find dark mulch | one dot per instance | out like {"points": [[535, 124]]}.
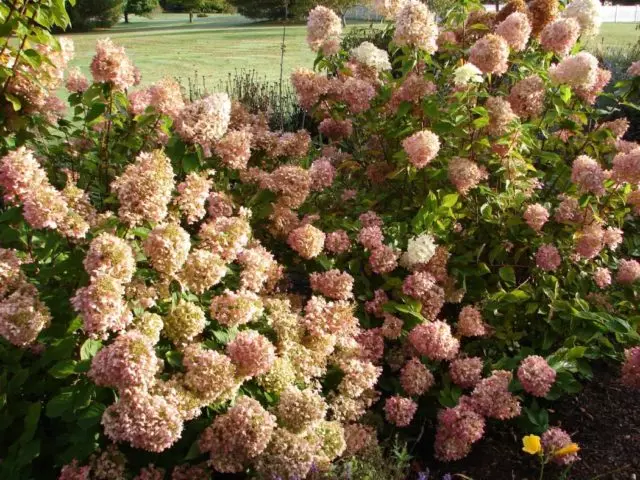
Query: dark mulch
{"points": [[604, 419]]}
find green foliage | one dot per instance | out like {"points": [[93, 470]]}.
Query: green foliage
{"points": [[209, 6], [89, 14], [265, 9], [139, 7]]}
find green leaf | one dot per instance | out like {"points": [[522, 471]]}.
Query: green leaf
{"points": [[63, 369], [194, 451], [31, 420], [59, 404], [565, 93], [174, 358], [190, 163], [91, 415], [89, 349], [450, 200], [508, 274], [95, 112], [15, 101]]}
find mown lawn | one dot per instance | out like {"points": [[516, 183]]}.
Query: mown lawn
{"points": [[167, 45]]}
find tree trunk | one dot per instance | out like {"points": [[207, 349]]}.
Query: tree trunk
{"points": [[190, 16], [497, 5], [343, 16], [126, 17]]}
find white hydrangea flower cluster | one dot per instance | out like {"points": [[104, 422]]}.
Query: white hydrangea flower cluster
{"points": [[420, 249], [371, 56], [467, 73]]}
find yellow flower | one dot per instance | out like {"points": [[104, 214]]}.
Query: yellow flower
{"points": [[531, 444], [567, 450]]}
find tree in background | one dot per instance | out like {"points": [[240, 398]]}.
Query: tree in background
{"points": [[88, 14], [341, 7], [271, 9], [191, 6], [139, 7], [214, 6]]}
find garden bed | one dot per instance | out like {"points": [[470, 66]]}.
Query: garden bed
{"points": [[598, 419]]}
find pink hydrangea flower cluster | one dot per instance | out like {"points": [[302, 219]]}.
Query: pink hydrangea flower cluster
{"points": [[590, 241], [192, 195], [466, 372], [357, 94], [471, 324], [421, 147], [236, 308], [102, 307], [516, 30], [527, 97], [415, 377], [416, 27], [626, 167], [548, 258], [307, 241], [536, 376], [324, 28], [23, 316], [399, 410], [252, 354], [536, 216], [413, 89], [465, 174], [260, 268], [144, 189], [238, 436], [491, 397], [392, 327], [628, 272], [202, 270], [337, 242], [577, 71], [210, 374], [310, 87], [458, 429], [234, 149], [76, 82], [434, 340], [225, 236], [145, 421], [333, 284], [491, 54], [602, 277], [128, 362], [560, 36], [25, 182], [322, 174], [588, 175], [205, 121], [167, 248], [631, 368], [111, 256], [553, 440], [292, 183], [112, 65], [501, 116], [335, 129], [634, 69]]}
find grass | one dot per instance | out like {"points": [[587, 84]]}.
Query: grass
{"points": [[167, 45], [618, 35]]}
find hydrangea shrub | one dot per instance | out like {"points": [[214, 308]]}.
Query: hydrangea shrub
{"points": [[195, 293]]}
